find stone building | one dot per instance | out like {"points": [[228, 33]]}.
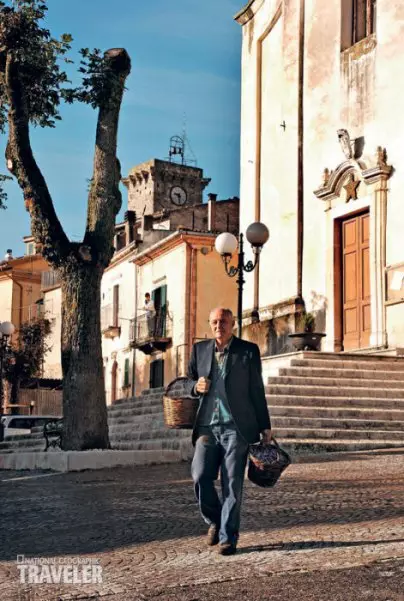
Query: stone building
{"points": [[322, 135], [164, 242]]}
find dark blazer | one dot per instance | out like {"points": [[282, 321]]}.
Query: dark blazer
{"points": [[243, 382]]}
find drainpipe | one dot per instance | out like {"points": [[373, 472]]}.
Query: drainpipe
{"points": [[190, 283], [134, 350], [300, 174]]}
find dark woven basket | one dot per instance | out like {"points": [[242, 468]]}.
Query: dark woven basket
{"points": [[266, 462], [179, 407]]}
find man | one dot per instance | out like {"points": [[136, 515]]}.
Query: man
{"points": [[226, 373], [150, 313]]}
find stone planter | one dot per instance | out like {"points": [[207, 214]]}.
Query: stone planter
{"points": [[306, 341]]}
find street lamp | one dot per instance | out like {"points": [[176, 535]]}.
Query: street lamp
{"points": [[6, 331], [226, 244]]}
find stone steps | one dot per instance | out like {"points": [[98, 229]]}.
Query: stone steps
{"points": [[137, 421], [130, 434], [310, 445], [358, 374], [352, 362], [340, 434], [318, 402], [335, 382], [338, 413], [334, 401], [319, 423], [333, 391], [138, 403], [130, 411], [338, 401], [148, 445]]}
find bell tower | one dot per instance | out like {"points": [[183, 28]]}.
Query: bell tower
{"points": [[158, 185]]}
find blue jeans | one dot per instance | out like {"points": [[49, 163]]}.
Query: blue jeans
{"points": [[220, 447]]}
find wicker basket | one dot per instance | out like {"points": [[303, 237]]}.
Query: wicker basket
{"points": [[179, 409]]}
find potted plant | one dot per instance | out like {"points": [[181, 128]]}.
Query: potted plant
{"points": [[306, 338]]}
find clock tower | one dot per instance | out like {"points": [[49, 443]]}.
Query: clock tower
{"points": [[158, 185]]}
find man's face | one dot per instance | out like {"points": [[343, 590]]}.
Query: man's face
{"points": [[221, 324], [147, 298]]}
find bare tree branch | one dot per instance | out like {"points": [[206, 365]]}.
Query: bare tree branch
{"points": [[104, 201]]}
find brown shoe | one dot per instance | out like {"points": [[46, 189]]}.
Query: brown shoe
{"points": [[227, 548], [212, 538]]}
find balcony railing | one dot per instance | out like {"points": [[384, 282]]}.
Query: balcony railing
{"points": [[151, 331]]}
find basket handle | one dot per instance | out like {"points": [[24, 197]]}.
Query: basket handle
{"points": [[175, 381]]}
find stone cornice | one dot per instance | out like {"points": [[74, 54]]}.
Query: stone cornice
{"points": [[248, 11], [166, 244]]}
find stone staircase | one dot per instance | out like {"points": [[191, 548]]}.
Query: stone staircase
{"points": [[135, 424], [334, 402], [318, 402]]}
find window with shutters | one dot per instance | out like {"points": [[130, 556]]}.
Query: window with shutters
{"points": [[358, 21]]}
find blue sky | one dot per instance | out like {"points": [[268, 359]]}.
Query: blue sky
{"points": [[185, 60]]}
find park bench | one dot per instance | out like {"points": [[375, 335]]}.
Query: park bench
{"points": [[53, 432]]}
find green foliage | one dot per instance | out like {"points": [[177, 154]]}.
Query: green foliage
{"points": [[3, 194], [308, 322], [26, 357], [39, 57], [98, 78]]}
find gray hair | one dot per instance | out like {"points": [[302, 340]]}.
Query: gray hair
{"points": [[227, 312]]}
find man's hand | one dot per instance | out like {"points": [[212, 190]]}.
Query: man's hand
{"points": [[266, 436], [202, 386]]}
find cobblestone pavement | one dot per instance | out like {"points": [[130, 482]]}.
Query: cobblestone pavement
{"points": [[332, 528]]}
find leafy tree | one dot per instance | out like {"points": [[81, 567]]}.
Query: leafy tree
{"points": [[26, 357], [32, 86]]}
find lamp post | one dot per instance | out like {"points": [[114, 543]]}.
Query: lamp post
{"points": [[6, 331], [226, 244]]}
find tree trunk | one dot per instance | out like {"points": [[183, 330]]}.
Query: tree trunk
{"points": [[84, 408]]}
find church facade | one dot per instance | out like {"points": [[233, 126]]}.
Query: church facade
{"points": [[322, 138]]}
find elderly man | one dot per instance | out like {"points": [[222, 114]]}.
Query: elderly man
{"points": [[226, 373]]}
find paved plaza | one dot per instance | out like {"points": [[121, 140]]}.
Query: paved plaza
{"points": [[332, 529]]}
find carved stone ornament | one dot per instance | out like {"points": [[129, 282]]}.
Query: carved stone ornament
{"points": [[346, 143], [351, 189], [381, 157], [369, 170]]}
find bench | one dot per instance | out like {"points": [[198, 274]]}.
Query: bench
{"points": [[53, 432]]}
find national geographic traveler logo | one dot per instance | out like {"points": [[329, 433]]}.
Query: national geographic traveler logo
{"points": [[59, 570]]}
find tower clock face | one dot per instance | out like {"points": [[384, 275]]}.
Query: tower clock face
{"points": [[178, 196]]}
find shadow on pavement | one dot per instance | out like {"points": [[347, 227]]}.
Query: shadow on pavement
{"points": [[96, 511], [311, 544]]}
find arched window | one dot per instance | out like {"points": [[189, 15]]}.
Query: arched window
{"points": [[358, 21]]}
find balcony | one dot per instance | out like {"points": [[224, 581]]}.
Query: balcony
{"points": [[110, 321], [151, 333]]}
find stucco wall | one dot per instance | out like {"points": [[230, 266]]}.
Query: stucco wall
{"points": [[117, 349], [214, 289], [168, 269], [52, 307], [358, 89], [6, 295]]}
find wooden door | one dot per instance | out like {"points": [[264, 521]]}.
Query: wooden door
{"points": [[356, 282]]}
